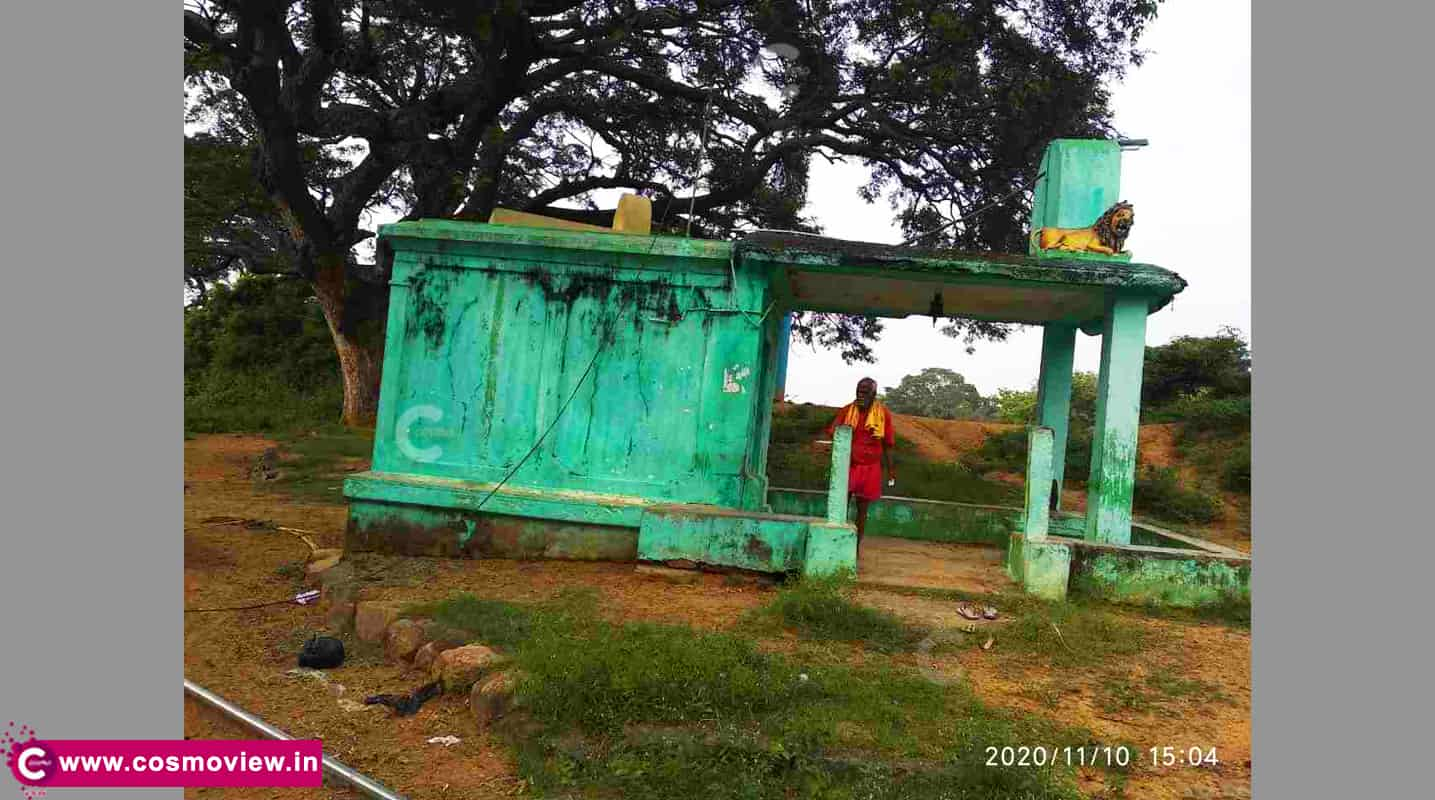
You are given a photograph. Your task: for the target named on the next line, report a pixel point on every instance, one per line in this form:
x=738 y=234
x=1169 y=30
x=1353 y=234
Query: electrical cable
x=551 y=426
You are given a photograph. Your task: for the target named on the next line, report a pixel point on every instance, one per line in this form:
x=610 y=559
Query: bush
x=220 y=401
x=1006 y=452
x=1159 y=492
x=1202 y=412
x=1236 y=472
x=258 y=357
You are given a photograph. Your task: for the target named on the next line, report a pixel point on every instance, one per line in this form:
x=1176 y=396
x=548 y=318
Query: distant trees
x=941 y=393
x=1214 y=366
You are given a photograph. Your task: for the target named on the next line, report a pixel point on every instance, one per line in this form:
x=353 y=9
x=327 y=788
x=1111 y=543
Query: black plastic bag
x=322 y=652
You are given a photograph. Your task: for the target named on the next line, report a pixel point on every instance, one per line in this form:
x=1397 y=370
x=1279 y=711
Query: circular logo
x=34 y=763
x=403 y=436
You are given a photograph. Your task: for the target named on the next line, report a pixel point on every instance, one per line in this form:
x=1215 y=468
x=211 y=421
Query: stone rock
x=461 y=667
x=372 y=619
x=668 y=574
x=493 y=697
x=427 y=654
x=403 y=639
x=682 y=563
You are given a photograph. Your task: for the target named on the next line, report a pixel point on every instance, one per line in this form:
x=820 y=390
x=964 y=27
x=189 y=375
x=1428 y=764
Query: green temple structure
x=598 y=395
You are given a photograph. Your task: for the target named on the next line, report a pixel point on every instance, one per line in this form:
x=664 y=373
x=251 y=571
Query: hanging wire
x=702 y=154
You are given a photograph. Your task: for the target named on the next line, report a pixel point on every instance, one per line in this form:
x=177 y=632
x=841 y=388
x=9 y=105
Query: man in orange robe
x=872 y=441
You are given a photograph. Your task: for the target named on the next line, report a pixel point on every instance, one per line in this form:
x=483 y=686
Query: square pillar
x=1118 y=416
x=784 y=342
x=1038 y=483
x=1053 y=396
x=837 y=487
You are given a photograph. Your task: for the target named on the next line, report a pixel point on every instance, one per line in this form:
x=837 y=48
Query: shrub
x=1236 y=472
x=1006 y=452
x=1202 y=412
x=219 y=401
x=1159 y=492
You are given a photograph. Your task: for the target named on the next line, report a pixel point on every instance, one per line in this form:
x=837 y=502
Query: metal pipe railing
x=332 y=766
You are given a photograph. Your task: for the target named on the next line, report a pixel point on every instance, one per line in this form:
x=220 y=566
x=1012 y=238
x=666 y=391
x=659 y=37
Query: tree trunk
x=356 y=313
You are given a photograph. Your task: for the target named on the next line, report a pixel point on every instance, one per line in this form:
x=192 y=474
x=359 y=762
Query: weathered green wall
x=492 y=328
x=405 y=529
x=928 y=520
x=760 y=542
x=1146 y=578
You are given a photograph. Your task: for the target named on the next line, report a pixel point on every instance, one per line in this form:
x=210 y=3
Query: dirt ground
x=249 y=656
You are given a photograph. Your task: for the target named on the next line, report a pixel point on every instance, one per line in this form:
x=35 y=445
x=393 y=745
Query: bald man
x=872 y=440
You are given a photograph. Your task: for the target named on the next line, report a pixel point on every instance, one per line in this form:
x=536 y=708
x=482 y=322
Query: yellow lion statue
x=1107 y=235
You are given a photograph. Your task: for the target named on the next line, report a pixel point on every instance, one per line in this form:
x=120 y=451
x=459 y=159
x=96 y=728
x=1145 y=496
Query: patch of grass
x=315 y=474
x=293 y=571
x=660 y=711
x=1071 y=634
x=600 y=677
x=494 y=622
x=1122 y=693
x=821 y=609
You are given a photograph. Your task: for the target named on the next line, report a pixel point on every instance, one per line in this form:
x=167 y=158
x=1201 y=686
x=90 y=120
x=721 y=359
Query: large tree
x=940 y=393
x=712 y=109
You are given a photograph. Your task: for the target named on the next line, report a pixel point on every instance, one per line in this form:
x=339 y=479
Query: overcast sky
x=1191 y=188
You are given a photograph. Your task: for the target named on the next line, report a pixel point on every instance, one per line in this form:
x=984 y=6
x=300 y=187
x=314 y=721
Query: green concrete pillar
x=837 y=489
x=1118 y=415
x=1053 y=395
x=784 y=342
x=1038 y=482
x=831 y=548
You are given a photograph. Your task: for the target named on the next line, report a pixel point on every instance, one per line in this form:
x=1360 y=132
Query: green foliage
x=494 y=622
x=1203 y=412
x=258 y=357
x=1019 y=407
x=229 y=222
x=223 y=402
x=1236 y=472
x=1159 y=492
x=261 y=324
x=822 y=609
x=940 y=393
x=1213 y=366
x=1005 y=451
x=1016 y=406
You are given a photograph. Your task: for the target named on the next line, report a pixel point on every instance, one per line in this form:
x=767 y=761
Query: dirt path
x=249 y=656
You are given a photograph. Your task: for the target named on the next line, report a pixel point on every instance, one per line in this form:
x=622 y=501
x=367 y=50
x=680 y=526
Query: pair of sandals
x=973 y=611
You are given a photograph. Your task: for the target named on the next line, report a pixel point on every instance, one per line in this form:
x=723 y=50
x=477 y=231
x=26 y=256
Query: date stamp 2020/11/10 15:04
x=1109 y=756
